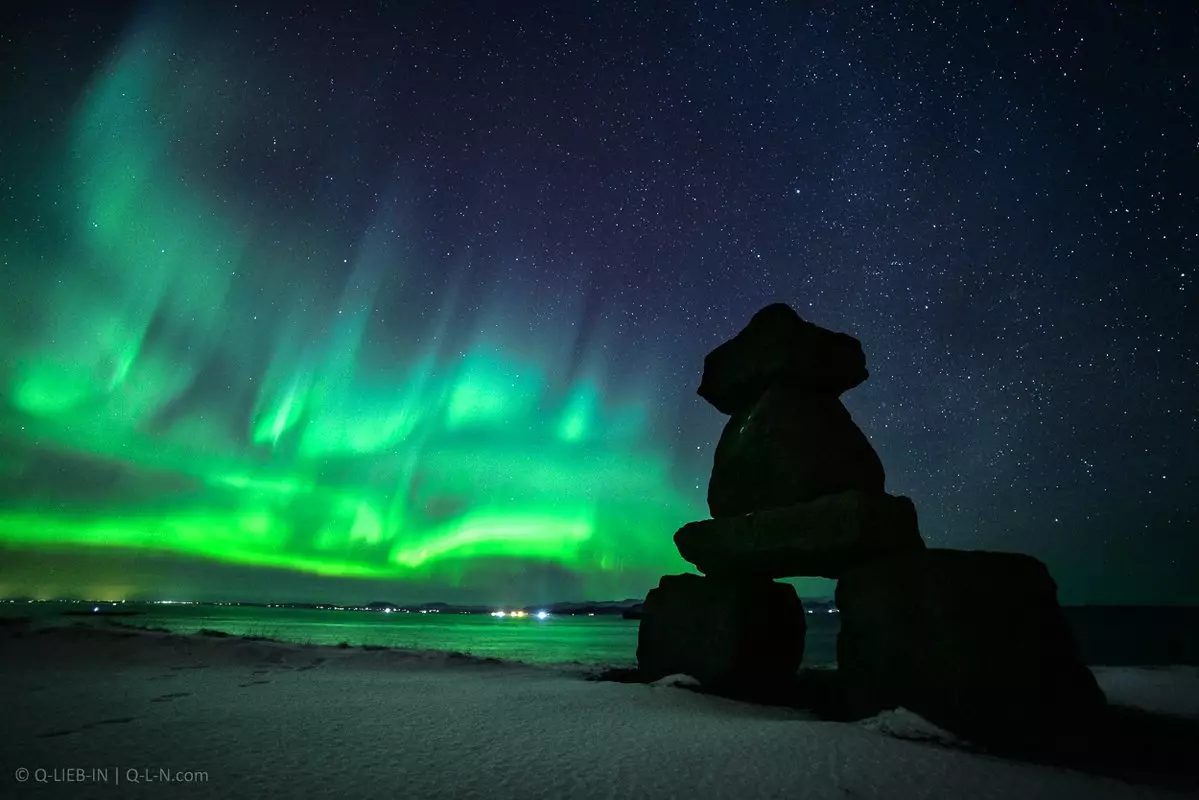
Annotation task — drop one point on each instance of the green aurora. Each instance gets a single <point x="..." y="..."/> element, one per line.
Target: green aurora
<point x="160" y="396"/>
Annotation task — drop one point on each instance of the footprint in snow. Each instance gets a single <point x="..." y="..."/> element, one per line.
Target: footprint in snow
<point x="163" y="698"/>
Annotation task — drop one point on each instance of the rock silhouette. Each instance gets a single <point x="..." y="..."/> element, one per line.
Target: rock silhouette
<point x="822" y="538"/>
<point x="973" y="641"/>
<point x="796" y="489"/>
<point x="776" y="348"/>
<point x="725" y="631"/>
<point x="790" y="446"/>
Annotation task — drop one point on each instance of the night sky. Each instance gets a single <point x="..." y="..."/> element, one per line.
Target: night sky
<point x="410" y="301"/>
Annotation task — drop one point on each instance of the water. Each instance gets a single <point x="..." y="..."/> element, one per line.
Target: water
<point x="1105" y="635"/>
<point x="590" y="640"/>
<point x="602" y="639"/>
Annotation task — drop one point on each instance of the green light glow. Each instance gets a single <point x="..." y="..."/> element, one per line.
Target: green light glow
<point x="174" y="393"/>
<point x="535" y="535"/>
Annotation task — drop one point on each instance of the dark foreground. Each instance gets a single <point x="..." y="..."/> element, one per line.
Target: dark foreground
<point x="93" y="708"/>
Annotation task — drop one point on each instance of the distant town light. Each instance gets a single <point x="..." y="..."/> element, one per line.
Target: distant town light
<point x="542" y="614"/>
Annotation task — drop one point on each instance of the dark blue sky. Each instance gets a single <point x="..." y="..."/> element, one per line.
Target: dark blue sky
<point x="997" y="201"/>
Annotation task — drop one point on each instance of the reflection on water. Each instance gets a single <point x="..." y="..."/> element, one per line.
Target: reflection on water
<point x="1105" y="635"/>
<point x="554" y="639"/>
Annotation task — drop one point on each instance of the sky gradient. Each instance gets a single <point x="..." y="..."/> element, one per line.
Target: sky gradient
<point x="411" y="303"/>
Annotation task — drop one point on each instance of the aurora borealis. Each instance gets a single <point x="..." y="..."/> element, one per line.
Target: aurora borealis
<point x="412" y="303"/>
<point x="166" y="393"/>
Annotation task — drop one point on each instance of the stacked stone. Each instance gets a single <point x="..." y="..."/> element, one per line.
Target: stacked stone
<point x="973" y="641"/>
<point x="796" y="489"/>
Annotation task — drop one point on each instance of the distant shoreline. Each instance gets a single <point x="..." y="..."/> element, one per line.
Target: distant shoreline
<point x="1107" y="635"/>
<point x="569" y="606"/>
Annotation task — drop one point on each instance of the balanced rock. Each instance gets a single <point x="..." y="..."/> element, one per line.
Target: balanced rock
<point x="975" y="642"/>
<point x="790" y="447"/>
<point x="823" y="538"/>
<point x="726" y="632"/>
<point x="778" y="346"/>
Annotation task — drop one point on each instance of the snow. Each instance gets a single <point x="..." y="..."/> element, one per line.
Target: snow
<point x="265" y="719"/>
<point x="904" y="724"/>
<point x="680" y="680"/>
<point x="1166" y="690"/>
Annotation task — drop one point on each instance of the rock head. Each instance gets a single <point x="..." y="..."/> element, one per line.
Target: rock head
<point x="780" y="347"/>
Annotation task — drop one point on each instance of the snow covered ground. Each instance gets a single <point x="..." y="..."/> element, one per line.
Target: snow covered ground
<point x="95" y="708"/>
<point x="1166" y="690"/>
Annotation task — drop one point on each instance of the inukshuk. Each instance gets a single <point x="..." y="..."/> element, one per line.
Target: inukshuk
<point x="974" y="641"/>
<point x="796" y="489"/>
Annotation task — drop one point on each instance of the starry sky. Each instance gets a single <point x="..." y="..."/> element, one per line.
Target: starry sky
<point x="410" y="301"/>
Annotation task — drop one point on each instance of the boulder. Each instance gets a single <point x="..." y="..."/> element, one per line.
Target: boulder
<point x="778" y="346"/>
<point x="792" y="446"/>
<point x="726" y="632"/>
<point x="974" y="642"/>
<point x="821" y="538"/>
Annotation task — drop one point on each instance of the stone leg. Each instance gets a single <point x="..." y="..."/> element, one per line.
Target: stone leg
<point x="726" y="632"/>
<point x="975" y="642"/>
